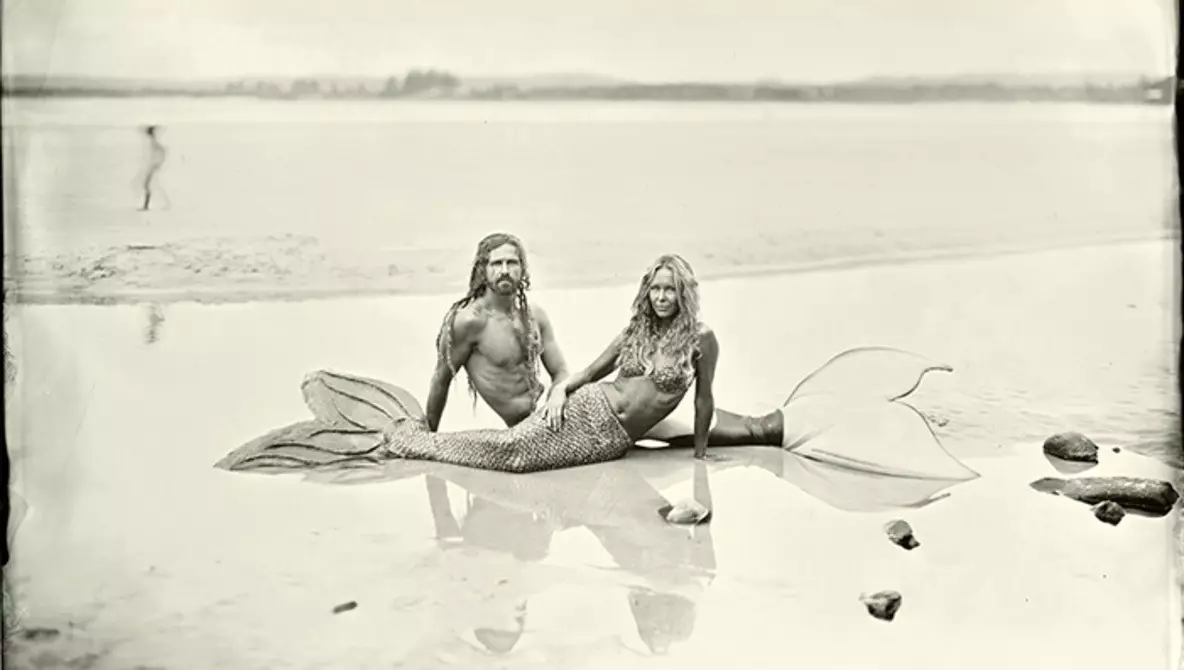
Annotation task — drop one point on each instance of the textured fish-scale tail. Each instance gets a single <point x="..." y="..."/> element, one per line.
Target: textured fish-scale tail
<point x="590" y="433"/>
<point x="360" y="420"/>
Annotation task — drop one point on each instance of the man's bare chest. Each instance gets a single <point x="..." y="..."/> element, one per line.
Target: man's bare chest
<point x="502" y="342"/>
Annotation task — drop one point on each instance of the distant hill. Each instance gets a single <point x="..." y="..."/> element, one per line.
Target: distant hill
<point x="1102" y="87"/>
<point x="554" y="80"/>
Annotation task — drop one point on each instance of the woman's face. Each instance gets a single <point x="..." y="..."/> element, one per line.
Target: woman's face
<point x="663" y="294"/>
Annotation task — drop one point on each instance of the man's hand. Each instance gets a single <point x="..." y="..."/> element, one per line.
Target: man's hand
<point x="553" y="410"/>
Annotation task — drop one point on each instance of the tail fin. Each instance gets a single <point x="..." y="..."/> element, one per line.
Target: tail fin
<point x="350" y="415"/>
<point x="846" y="414"/>
<point x="869" y="372"/>
<point x="306" y="444"/>
<point x="337" y="398"/>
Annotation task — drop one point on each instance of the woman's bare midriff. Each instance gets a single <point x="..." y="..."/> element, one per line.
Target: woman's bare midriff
<point x="638" y="403"/>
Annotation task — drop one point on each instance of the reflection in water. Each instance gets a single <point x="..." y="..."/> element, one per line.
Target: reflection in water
<point x="155" y="321"/>
<point x="858" y="490"/>
<point x="520" y="514"/>
<point x="668" y="567"/>
<point x="503" y="640"/>
<point x="1068" y="467"/>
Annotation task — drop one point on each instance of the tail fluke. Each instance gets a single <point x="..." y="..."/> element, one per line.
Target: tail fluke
<point x="307" y="444"/>
<point x="884" y="438"/>
<point x="337" y="398"/>
<point x="869" y="372"/>
<point x="845" y="414"/>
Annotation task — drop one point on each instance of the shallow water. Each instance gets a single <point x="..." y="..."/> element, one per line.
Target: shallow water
<point x="392" y="191"/>
<point x="140" y="553"/>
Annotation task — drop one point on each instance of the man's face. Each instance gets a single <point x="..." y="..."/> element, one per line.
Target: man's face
<point x="504" y="270"/>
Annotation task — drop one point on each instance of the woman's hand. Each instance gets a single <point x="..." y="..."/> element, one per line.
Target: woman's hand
<point x="553" y="410"/>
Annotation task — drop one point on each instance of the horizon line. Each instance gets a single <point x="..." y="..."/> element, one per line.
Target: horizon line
<point x="610" y="79"/>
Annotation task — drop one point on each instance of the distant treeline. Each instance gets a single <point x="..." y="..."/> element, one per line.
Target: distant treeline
<point x="444" y="85"/>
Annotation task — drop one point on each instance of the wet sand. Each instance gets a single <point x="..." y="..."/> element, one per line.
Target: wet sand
<point x="139" y="554"/>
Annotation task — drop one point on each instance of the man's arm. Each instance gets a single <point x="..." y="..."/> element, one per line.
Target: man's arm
<point x="604" y="364"/>
<point x="552" y="355"/>
<point x="704" y="394"/>
<point x="465" y="330"/>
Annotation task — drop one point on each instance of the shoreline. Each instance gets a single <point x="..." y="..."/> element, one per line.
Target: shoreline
<point x="272" y="291"/>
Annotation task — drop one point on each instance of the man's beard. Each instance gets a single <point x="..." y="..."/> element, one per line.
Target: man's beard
<point x="510" y="286"/>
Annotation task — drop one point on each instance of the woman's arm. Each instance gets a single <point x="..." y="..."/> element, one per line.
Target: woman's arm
<point x="704" y="395"/>
<point x="597" y="370"/>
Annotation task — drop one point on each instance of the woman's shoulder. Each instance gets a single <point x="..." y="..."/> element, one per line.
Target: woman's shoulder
<point x="707" y="339"/>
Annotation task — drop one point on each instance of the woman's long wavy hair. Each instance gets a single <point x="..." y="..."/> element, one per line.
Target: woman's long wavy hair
<point x="647" y="335"/>
<point x="526" y="333"/>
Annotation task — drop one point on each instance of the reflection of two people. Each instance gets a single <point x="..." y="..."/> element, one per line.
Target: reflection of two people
<point x="520" y="515"/>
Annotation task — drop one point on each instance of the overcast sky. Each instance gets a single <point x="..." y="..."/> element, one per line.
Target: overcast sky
<point x="641" y="39"/>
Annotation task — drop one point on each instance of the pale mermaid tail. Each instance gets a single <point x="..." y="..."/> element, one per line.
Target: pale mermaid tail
<point x="847" y="414"/>
<point x="869" y="372"/>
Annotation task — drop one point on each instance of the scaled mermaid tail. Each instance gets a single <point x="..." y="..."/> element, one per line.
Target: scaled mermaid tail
<point x="847" y="414"/>
<point x="590" y="433"/>
<point x="361" y="420"/>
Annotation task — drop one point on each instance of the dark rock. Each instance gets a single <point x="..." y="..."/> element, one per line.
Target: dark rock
<point x="1116" y="450"/>
<point x="1072" y="447"/>
<point x="901" y="533"/>
<point x="345" y="607"/>
<point x="1109" y="511"/>
<point x="1151" y="496"/>
<point x="882" y="605"/>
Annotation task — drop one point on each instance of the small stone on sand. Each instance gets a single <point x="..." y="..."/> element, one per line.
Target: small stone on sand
<point x="1072" y="446"/>
<point x="1109" y="511"/>
<point x="345" y="607"/>
<point x="882" y="605"/>
<point x="901" y="533"/>
<point x="686" y="512"/>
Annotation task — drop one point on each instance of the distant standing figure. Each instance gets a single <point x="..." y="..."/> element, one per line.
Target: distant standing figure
<point x="155" y="161"/>
<point x="155" y="321"/>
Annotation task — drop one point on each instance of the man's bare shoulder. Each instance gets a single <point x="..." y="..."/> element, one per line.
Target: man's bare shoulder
<point x="540" y="314"/>
<point x="469" y="321"/>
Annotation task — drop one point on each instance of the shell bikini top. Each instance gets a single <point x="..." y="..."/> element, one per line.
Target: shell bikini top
<point x="669" y="378"/>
